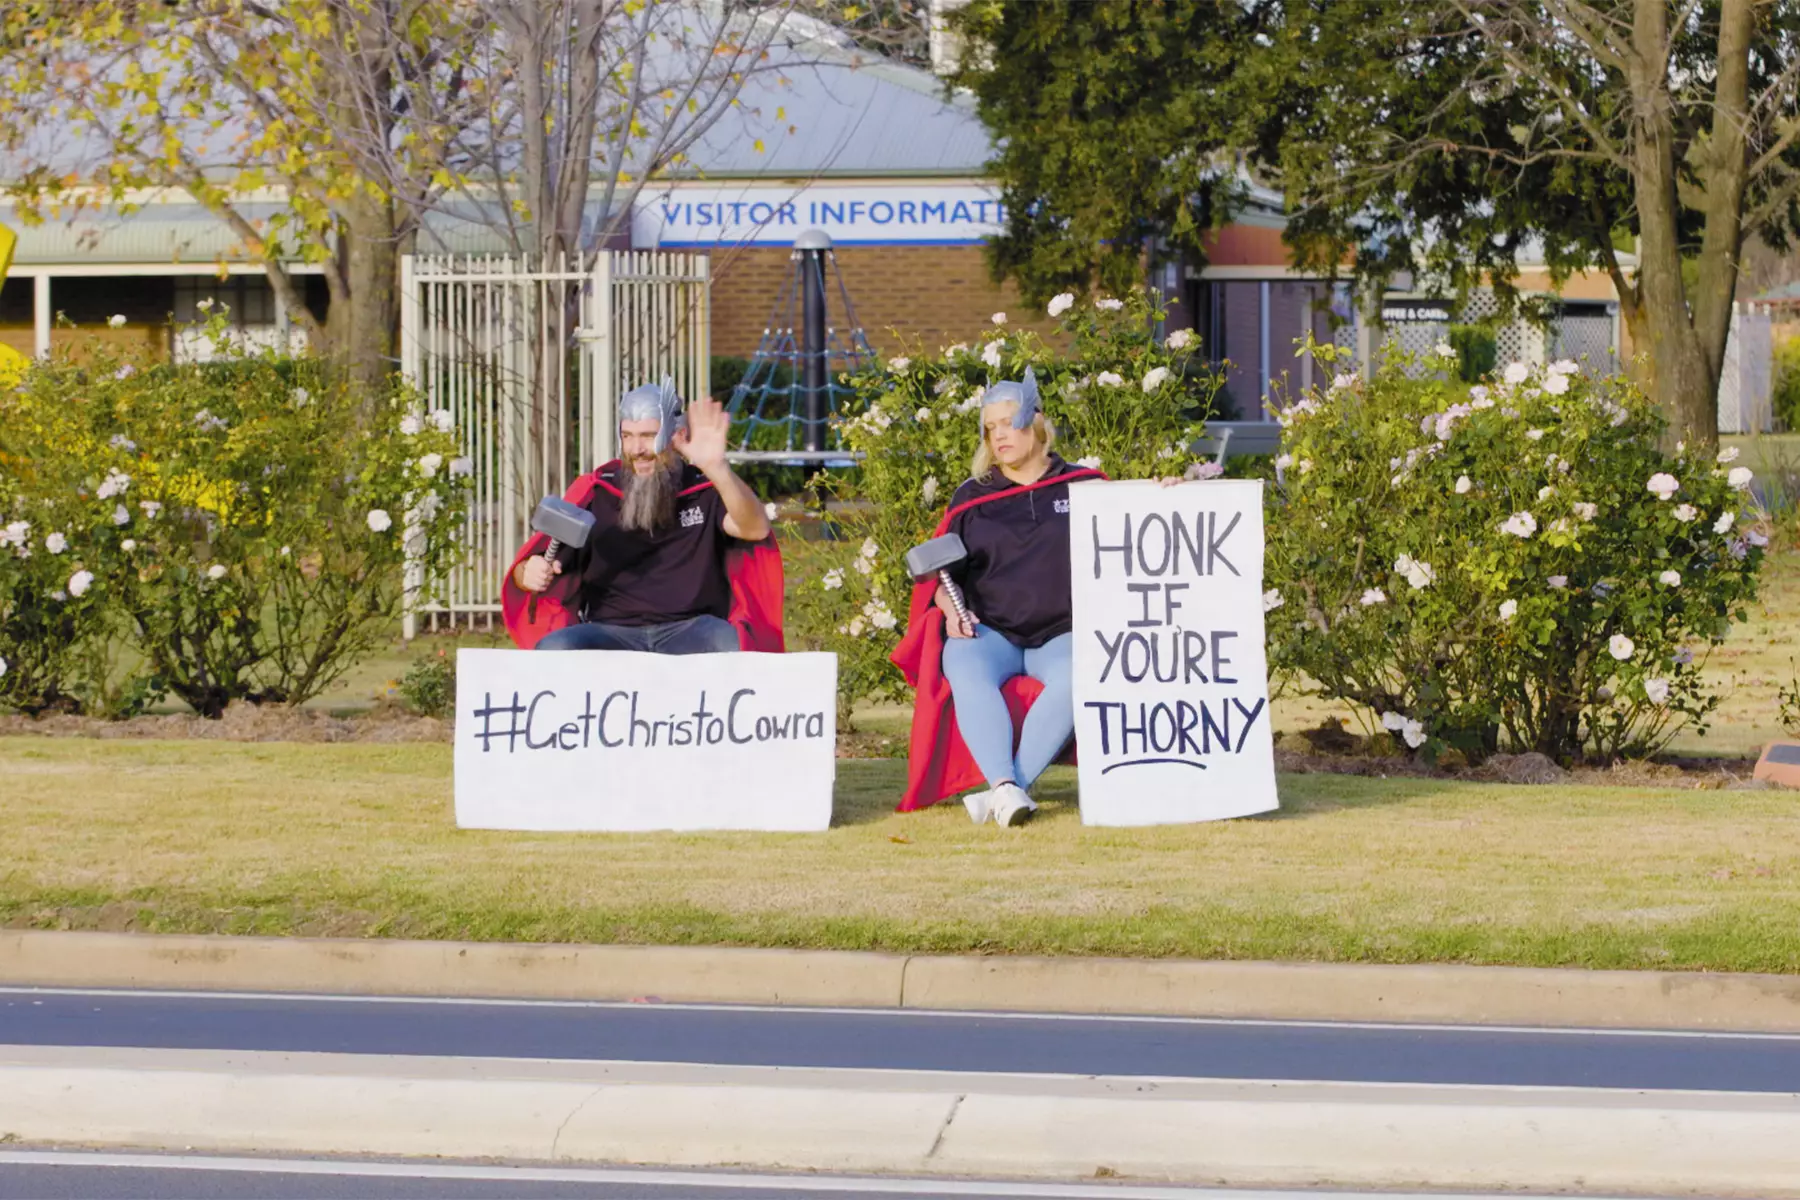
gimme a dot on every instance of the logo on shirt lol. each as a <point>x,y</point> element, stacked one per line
<point>691,517</point>
<point>1062,506</point>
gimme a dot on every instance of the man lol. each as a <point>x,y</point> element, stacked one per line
<point>679,560</point>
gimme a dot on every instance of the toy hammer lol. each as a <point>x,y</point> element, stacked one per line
<point>936,557</point>
<point>564,524</point>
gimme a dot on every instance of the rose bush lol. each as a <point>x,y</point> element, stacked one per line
<point>234,530</point>
<point>1516,561</point>
<point>1119,399</point>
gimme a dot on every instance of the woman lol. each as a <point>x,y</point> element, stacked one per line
<point>1013,517</point>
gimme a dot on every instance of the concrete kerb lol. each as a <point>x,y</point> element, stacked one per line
<point>1233,1133</point>
<point>817,978</point>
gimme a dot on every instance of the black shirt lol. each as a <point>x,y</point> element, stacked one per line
<point>1016,577</point>
<point>632,578</point>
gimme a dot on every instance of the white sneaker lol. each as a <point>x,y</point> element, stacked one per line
<point>1011,805</point>
<point>980,806</point>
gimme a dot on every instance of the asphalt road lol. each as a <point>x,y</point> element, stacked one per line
<point>1030,1044</point>
<point>76,1176</point>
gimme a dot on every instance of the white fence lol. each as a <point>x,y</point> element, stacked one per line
<point>530,359</point>
<point>1746,374</point>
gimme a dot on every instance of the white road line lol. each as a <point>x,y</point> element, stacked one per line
<point>691,1179</point>
<point>930,1013</point>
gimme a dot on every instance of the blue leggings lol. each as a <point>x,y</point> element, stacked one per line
<point>976,667</point>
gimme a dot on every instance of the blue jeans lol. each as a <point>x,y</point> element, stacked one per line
<point>976,667</point>
<point>696,635</point>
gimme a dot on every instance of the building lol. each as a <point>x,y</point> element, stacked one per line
<point>874,153</point>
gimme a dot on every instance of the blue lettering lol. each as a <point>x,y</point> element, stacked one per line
<point>931,210</point>
<point>960,214</point>
<point>881,212</point>
<point>731,714</point>
<point>909,212</point>
<point>787,214</point>
<point>761,214</point>
<point>856,211</point>
<point>829,212</point>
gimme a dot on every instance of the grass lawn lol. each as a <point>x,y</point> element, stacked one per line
<point>358,840</point>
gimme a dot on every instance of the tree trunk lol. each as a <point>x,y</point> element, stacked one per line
<point>365,311</point>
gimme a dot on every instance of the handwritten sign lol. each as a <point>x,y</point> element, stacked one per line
<point>601,740</point>
<point>1171,681</point>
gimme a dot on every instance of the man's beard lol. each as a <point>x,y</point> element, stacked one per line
<point>647,502</point>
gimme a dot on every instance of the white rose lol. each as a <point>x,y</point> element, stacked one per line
<point>924,414</point>
<point>1558,582</point>
<point>462,466</point>
<point>1373,596</point>
<point>1545,492</point>
<point>1756,538</point>
<point>1444,350</point>
<point>443,420</point>
<point>864,566</point>
<point>1585,511</point>
<point>1091,462</point>
<point>1108,304</point>
<point>1663,485</point>
<point>929,489</point>
<point>1670,578</point>
<point>1414,734</point>
<point>205,305</point>
<point>998,318</point>
<point>150,508</point>
<point>1393,722</point>
<point>1564,366</point>
<point>1728,455</point>
<point>884,618</point>
<point>2,668</point>
<point>1283,461</point>
<point>128,545</point>
<point>410,424</point>
<point>1109,379</point>
<point>1685,512</point>
<point>116,321</point>
<point>1556,385</point>
<point>855,628</point>
<point>379,521</point>
<point>770,511</point>
<point>1516,373</point>
<point>428,465</point>
<point>1463,484</point>
<point>1509,609</point>
<point>121,514</point>
<point>80,582</point>
<point>1180,339</point>
<point>870,549</point>
<point>1621,647</point>
<point>1341,381</point>
<point>1656,690</point>
<point>1740,477</point>
<point>56,543</point>
<point>1154,378</point>
<point>1534,434</point>
<point>1724,523</point>
<point>1272,600</point>
<point>899,364</point>
<point>834,579</point>
<point>301,397</point>
<point>1520,524</point>
<point>1060,303</point>
<point>990,353</point>
<point>216,571</point>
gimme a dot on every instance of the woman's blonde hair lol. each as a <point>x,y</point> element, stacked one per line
<point>983,462</point>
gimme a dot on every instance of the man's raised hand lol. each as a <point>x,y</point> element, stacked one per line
<point>708,430</point>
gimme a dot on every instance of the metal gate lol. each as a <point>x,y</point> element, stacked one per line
<point>529,359</point>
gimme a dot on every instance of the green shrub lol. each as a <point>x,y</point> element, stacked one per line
<point>429,685</point>
<point>1472,569</point>
<point>237,530</point>
<point>1477,351</point>
<point>920,426</point>
<point>1786,393</point>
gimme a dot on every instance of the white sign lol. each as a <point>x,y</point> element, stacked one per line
<point>734,215</point>
<point>604,740</point>
<point>1171,679</point>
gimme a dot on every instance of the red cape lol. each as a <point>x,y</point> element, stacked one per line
<point>754,571</point>
<point>938,764</point>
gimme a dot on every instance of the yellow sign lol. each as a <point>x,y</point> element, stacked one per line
<point>8,239</point>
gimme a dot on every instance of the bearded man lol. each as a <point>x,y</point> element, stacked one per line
<point>679,560</point>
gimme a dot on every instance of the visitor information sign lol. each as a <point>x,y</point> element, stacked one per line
<point>1171,679</point>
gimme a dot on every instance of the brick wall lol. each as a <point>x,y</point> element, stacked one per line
<point>934,294</point>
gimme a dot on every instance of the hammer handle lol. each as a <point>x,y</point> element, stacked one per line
<point>549,556</point>
<point>956,597</point>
